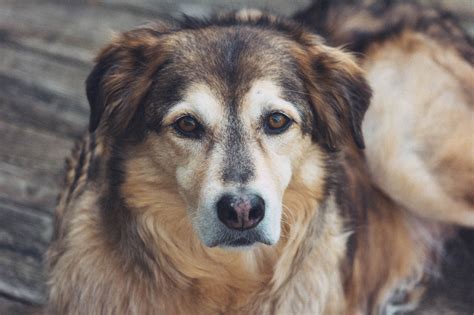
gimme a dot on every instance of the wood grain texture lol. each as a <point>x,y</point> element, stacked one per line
<point>24,236</point>
<point>10,306</point>
<point>46,52</point>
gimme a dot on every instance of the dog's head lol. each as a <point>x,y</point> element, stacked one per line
<point>228,113</point>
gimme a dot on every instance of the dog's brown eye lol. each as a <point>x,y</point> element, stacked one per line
<point>188,126</point>
<point>277,123</point>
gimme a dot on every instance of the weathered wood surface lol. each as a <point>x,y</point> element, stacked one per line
<point>46,51</point>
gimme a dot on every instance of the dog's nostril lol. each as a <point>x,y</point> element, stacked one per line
<point>230,214</point>
<point>256,213</point>
<point>241,212</point>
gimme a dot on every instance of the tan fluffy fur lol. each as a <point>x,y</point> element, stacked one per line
<point>418,124</point>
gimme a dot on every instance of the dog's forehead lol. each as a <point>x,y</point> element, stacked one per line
<point>231,59</point>
<point>229,62</point>
<point>227,48</point>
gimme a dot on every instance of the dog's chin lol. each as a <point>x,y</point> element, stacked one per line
<point>241,244</point>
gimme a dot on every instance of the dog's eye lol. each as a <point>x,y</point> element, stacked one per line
<point>276,123</point>
<point>188,126</point>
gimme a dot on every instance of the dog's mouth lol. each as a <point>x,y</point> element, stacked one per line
<point>240,242</point>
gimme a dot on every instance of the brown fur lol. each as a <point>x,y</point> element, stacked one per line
<point>125,242</point>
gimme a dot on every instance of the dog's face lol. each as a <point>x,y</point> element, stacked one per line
<point>228,113</point>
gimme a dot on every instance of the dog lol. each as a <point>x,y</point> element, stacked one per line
<point>224,173</point>
<point>419,62</point>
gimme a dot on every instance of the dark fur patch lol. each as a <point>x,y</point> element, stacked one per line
<point>294,92</point>
<point>238,165</point>
<point>119,227</point>
<point>339,95</point>
<point>121,79</point>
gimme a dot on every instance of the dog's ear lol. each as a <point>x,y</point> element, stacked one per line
<point>339,95</point>
<point>122,77</point>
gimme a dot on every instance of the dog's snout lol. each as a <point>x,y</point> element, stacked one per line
<point>241,212</point>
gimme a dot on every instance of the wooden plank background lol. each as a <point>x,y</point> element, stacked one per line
<point>46,52</point>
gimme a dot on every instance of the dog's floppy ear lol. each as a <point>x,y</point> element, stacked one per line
<point>339,95</point>
<point>121,78</point>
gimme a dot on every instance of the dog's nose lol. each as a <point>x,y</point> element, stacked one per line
<point>241,212</point>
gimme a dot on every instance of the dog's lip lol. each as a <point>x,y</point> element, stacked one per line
<point>240,242</point>
<point>230,238</point>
